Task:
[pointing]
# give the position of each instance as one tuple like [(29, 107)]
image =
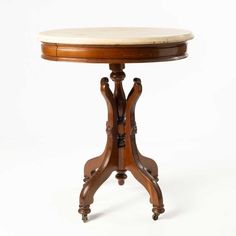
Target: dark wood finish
[(114, 54), (121, 152)]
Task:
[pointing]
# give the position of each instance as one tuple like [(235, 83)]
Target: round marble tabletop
[(115, 36)]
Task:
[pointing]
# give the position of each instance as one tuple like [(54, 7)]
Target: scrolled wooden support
[(108, 95), (149, 164), (121, 152), (110, 155), (133, 161), (92, 164)]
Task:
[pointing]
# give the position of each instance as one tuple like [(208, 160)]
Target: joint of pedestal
[(117, 74), (121, 131), (116, 67)]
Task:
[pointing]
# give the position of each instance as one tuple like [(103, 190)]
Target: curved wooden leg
[(133, 161), (91, 166), (151, 186), (109, 159), (92, 185), (149, 164)]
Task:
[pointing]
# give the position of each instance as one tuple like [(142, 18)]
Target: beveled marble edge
[(45, 37)]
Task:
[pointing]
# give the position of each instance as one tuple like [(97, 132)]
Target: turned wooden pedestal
[(98, 46), (121, 152)]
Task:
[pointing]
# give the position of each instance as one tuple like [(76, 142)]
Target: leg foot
[(156, 212), (121, 152), (155, 216), (84, 218), (135, 162), (84, 211)]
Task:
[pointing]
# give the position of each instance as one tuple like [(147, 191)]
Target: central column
[(117, 75)]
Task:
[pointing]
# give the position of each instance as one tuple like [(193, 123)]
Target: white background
[(186, 120)]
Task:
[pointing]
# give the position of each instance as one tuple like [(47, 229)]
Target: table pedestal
[(121, 152)]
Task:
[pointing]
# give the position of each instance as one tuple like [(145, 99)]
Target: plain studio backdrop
[(52, 119)]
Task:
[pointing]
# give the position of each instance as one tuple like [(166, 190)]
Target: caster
[(84, 218), (155, 216), (84, 210)]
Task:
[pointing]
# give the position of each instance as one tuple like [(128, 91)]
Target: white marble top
[(115, 36)]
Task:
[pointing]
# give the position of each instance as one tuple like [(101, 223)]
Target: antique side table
[(117, 46)]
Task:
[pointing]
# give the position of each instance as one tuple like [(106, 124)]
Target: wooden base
[(121, 152)]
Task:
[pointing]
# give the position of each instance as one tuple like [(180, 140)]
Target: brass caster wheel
[(155, 216), (84, 218), (84, 210)]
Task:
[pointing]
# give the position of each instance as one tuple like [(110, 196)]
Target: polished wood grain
[(114, 54), (121, 153)]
